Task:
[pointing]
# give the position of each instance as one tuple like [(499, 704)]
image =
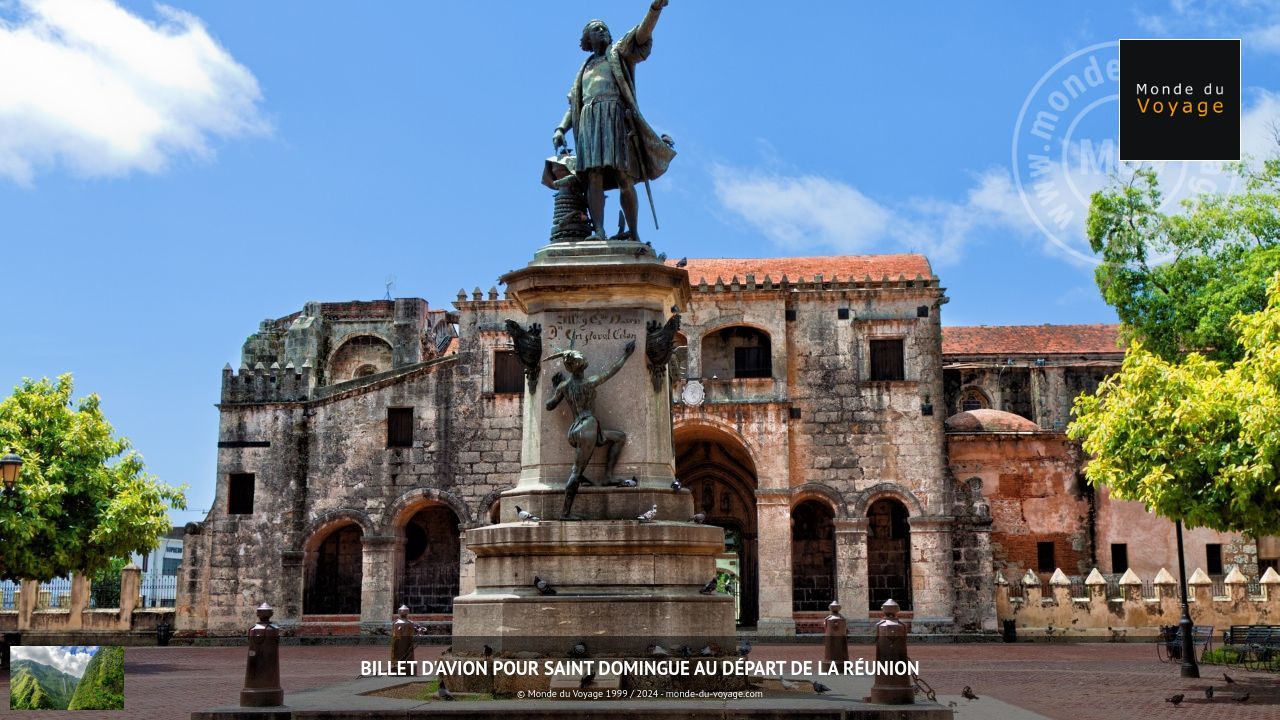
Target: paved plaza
[(1103, 681)]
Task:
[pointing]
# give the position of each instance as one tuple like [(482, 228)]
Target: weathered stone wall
[(1031, 483)]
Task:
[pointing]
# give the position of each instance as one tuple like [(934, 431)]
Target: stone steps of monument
[(329, 625)]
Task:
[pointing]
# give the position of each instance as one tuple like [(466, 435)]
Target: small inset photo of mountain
[(66, 677)]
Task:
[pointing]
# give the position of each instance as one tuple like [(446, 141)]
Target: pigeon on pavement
[(526, 515), (1176, 699), (709, 588), (698, 518), (967, 693), (649, 515), (820, 688)]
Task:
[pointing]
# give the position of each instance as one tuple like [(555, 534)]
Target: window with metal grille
[(1119, 557), (1213, 558), (399, 427), (170, 566), (886, 360), (1045, 561), (508, 376), (240, 494), (752, 362)]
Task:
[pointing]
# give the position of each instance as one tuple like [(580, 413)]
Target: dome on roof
[(972, 421)]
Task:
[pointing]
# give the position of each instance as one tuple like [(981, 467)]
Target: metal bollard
[(402, 631), (835, 637), (892, 688), (262, 670), (163, 633)]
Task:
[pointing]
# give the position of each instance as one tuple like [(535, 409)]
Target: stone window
[(1213, 558), (1119, 557), (365, 371), (974, 399), (1045, 560), (399, 427), (240, 494), (887, 360), (737, 352), (355, 356), (508, 376)]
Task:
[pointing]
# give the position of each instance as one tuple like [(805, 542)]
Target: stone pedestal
[(621, 585)]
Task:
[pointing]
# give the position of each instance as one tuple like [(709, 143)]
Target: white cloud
[(70, 659), (86, 84), (800, 212), (1259, 125)]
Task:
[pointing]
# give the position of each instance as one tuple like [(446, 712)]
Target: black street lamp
[(1189, 667), (10, 464)]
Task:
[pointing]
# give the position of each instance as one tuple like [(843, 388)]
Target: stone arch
[(357, 354), (333, 561), (427, 523), (719, 468), (863, 499), (824, 493), (489, 507), (973, 397), (813, 554), (737, 350), (408, 503), (330, 520), (888, 552)]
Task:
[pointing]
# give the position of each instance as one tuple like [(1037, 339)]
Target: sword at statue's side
[(644, 171)]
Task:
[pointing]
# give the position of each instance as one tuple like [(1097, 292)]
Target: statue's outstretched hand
[(557, 140), (630, 347), (658, 4)]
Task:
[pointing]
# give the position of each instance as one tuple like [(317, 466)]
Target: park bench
[(1256, 646), (1169, 643)]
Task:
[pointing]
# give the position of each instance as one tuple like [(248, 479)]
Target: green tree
[(1218, 252), (102, 686), (83, 497), (1196, 439)]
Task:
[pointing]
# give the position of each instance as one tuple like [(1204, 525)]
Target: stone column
[(773, 527), (932, 594), (130, 589), (851, 567), (79, 601), (29, 595), (986, 571), (377, 585), (1049, 399), (291, 588)]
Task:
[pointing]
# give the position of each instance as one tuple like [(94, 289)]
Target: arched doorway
[(334, 571), (888, 554), (813, 556), (429, 560), (719, 472)]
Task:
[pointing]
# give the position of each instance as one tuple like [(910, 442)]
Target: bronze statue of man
[(586, 433), (616, 147)]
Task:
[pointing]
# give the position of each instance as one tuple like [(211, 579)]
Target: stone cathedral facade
[(850, 447)]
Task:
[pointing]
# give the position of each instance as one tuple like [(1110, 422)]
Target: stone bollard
[(835, 637), (891, 688), (402, 631), (262, 670)]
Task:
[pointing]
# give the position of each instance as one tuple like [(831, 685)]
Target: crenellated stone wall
[(1129, 613)]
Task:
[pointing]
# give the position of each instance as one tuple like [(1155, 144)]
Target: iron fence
[(159, 591), (54, 594), (105, 594)]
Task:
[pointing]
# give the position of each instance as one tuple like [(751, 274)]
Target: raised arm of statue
[(645, 31), (616, 366), (556, 397), (557, 138)]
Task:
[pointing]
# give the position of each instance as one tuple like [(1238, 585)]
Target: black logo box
[(1186, 69)]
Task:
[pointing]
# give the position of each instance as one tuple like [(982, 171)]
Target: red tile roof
[(795, 268), (1031, 340)]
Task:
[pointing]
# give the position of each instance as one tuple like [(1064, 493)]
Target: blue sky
[(172, 175), (70, 659)]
